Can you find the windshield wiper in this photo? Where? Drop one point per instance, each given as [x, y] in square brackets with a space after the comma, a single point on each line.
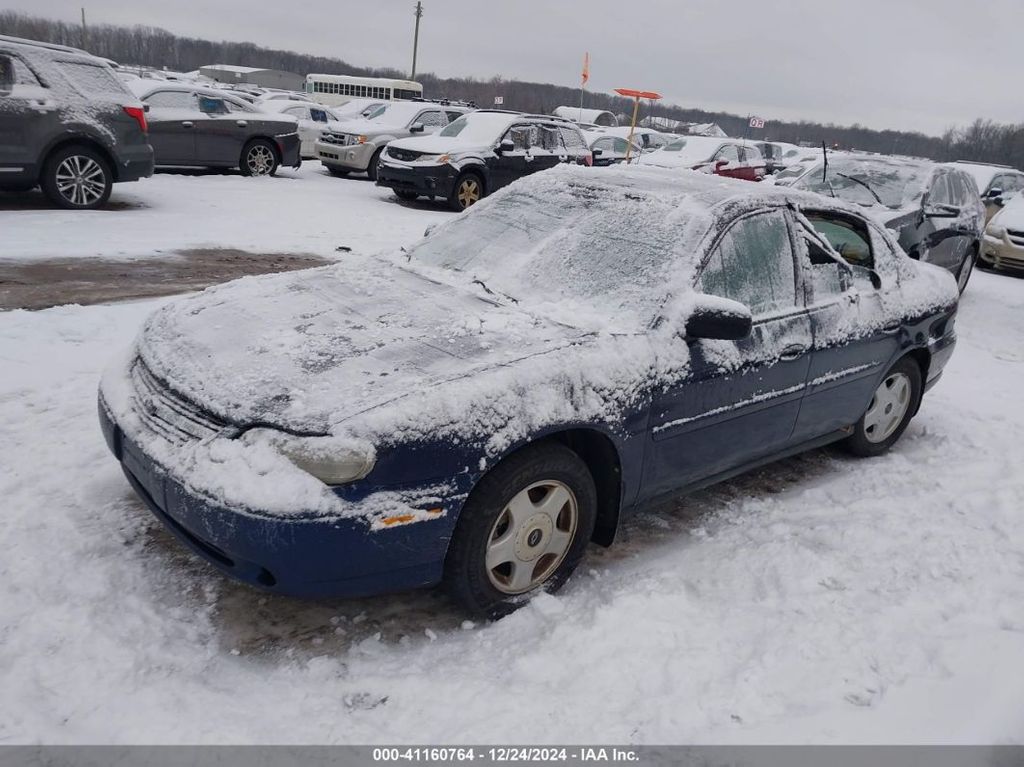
[490, 292]
[863, 184]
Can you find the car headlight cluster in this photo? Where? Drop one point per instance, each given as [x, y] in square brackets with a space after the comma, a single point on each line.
[995, 230]
[327, 460]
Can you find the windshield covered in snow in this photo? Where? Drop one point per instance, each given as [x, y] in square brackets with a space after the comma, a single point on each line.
[869, 182]
[580, 245]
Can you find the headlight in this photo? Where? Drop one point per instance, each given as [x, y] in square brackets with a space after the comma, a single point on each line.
[361, 139]
[328, 461]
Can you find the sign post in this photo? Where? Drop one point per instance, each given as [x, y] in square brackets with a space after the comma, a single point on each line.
[636, 95]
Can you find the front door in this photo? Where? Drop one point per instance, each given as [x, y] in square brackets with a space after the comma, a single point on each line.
[513, 163]
[739, 401]
[222, 132]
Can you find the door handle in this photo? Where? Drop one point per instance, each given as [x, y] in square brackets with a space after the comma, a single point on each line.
[187, 124]
[792, 352]
[241, 123]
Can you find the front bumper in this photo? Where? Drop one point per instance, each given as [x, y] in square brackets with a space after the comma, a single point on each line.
[427, 180]
[311, 557]
[1002, 252]
[353, 157]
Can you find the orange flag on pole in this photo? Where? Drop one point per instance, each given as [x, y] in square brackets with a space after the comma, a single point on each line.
[586, 68]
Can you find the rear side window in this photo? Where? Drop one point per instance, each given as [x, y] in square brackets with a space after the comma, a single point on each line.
[550, 138]
[453, 116]
[171, 100]
[729, 153]
[92, 79]
[14, 71]
[753, 264]
[432, 119]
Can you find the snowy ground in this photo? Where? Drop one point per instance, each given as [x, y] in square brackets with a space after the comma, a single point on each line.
[822, 599]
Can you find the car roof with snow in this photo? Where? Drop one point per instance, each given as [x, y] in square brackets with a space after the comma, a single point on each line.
[983, 173]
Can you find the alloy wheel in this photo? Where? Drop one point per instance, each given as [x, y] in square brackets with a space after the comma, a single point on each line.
[81, 180]
[468, 192]
[260, 160]
[888, 407]
[531, 537]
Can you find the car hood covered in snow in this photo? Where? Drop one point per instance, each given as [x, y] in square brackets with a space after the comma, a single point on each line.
[1012, 214]
[306, 350]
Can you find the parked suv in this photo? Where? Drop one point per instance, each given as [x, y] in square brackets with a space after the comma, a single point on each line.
[67, 124]
[934, 209]
[479, 153]
[358, 146]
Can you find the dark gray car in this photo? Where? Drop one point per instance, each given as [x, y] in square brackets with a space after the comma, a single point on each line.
[934, 209]
[67, 124]
[201, 127]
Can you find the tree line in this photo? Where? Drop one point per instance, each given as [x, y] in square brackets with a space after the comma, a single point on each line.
[982, 141]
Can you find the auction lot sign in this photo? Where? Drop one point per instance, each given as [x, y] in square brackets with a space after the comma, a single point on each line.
[487, 755]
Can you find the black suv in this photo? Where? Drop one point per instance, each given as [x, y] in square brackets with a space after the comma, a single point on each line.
[478, 153]
[67, 124]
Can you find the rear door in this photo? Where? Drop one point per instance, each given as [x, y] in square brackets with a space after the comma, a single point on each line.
[172, 119]
[548, 150]
[29, 116]
[740, 400]
[837, 254]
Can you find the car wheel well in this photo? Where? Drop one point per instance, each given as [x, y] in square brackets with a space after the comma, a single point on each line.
[924, 361]
[474, 170]
[85, 143]
[602, 459]
[273, 145]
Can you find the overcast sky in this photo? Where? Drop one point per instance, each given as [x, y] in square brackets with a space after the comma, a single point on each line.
[910, 64]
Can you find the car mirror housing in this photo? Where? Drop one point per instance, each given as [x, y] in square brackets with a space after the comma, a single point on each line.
[940, 211]
[505, 146]
[417, 128]
[597, 152]
[994, 193]
[719, 318]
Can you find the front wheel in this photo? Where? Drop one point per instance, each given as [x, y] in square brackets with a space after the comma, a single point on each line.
[371, 169]
[892, 406]
[469, 188]
[523, 530]
[259, 159]
[966, 268]
[77, 178]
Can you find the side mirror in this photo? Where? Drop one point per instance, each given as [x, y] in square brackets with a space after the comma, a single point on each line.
[719, 164]
[993, 193]
[719, 318]
[505, 146]
[597, 152]
[417, 128]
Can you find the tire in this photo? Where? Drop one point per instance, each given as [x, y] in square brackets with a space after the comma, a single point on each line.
[77, 178]
[402, 194]
[496, 562]
[259, 158]
[371, 169]
[966, 270]
[468, 190]
[893, 404]
[339, 172]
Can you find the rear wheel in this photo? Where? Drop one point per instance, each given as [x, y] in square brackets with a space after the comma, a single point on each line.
[469, 189]
[523, 530]
[77, 178]
[259, 159]
[892, 406]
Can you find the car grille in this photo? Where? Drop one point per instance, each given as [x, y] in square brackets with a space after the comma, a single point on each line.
[166, 413]
[405, 155]
[341, 139]
[1016, 236]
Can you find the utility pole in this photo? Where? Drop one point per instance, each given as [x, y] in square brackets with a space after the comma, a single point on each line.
[85, 32]
[416, 38]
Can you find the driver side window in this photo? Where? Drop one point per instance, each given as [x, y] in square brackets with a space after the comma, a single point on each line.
[728, 153]
[753, 264]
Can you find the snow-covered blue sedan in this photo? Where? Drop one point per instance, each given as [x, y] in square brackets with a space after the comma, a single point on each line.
[474, 410]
